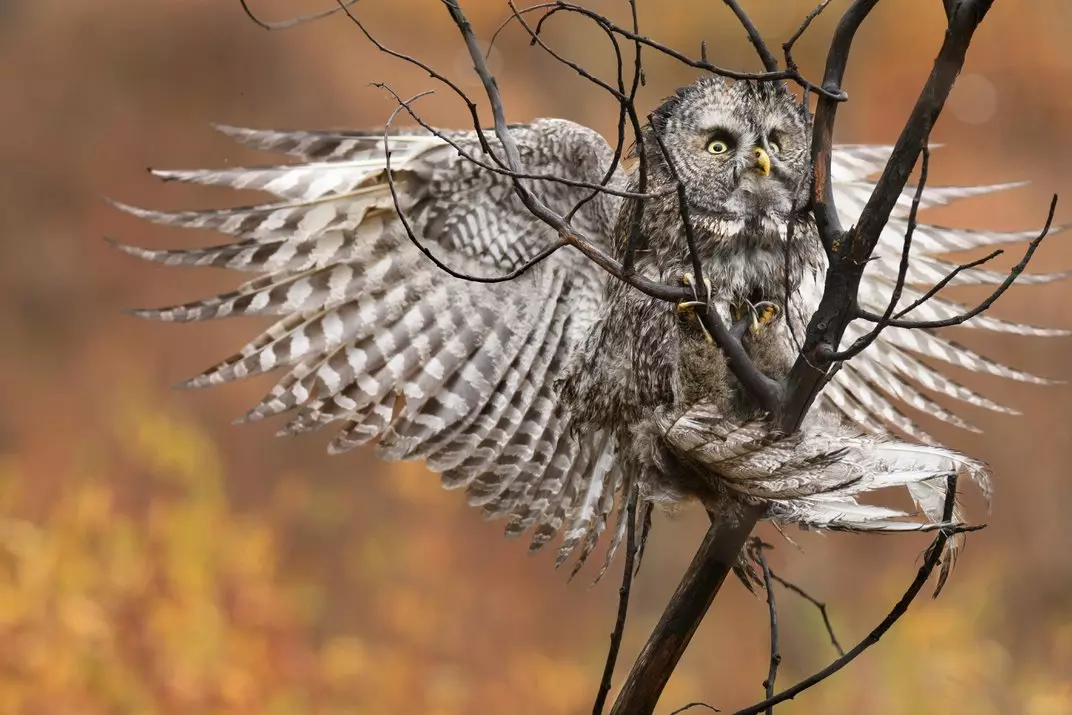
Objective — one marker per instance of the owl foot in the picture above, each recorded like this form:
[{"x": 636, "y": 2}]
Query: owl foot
[
  {"x": 691, "y": 305},
  {"x": 762, "y": 314}
]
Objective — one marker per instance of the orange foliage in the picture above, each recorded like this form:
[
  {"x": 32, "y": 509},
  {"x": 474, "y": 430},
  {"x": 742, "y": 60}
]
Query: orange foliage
[{"x": 154, "y": 560}]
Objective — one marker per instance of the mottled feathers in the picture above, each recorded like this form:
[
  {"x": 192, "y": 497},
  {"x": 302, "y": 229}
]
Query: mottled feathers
[{"x": 478, "y": 379}]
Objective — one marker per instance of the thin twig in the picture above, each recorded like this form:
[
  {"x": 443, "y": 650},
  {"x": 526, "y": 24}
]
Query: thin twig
[
  {"x": 551, "y": 178},
  {"x": 756, "y": 548},
  {"x": 636, "y": 237},
  {"x": 690, "y": 706},
  {"x": 765, "y": 55},
  {"x": 645, "y": 530},
  {"x": 701, "y": 64},
  {"x": 820, "y": 605},
  {"x": 624, "y": 101},
  {"x": 930, "y": 562},
  {"x": 623, "y": 604},
  {"x": 787, "y": 47},
  {"x": 293, "y": 22},
  {"x": 1014, "y": 273},
  {"x": 949, "y": 277},
  {"x": 400, "y": 211}
]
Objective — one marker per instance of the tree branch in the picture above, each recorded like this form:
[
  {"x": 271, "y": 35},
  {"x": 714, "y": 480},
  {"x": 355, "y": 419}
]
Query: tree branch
[
  {"x": 756, "y": 550},
  {"x": 765, "y": 55},
  {"x": 820, "y": 605},
  {"x": 861, "y": 343},
  {"x": 849, "y": 251},
  {"x": 628, "y": 573},
  {"x": 701, "y": 64},
  {"x": 1014, "y": 273},
  {"x": 294, "y": 21},
  {"x": 714, "y": 559},
  {"x": 930, "y": 562}
]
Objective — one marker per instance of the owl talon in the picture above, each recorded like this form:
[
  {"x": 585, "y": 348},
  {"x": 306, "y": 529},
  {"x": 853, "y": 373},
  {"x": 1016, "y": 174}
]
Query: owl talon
[
  {"x": 691, "y": 305},
  {"x": 686, "y": 278},
  {"x": 762, "y": 314},
  {"x": 765, "y": 313}
]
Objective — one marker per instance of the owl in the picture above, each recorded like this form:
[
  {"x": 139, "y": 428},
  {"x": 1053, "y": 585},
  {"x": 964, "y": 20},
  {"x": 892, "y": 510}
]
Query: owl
[{"x": 549, "y": 396}]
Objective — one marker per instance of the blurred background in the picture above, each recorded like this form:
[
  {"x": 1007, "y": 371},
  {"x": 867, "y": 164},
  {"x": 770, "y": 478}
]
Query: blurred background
[{"x": 156, "y": 559}]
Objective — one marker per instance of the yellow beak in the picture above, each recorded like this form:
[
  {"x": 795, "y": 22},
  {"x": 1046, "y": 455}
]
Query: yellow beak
[{"x": 762, "y": 160}]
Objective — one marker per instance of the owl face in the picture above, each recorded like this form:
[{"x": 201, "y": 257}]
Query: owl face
[{"x": 741, "y": 149}]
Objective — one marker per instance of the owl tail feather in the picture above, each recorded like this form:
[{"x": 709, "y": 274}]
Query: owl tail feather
[{"x": 815, "y": 476}]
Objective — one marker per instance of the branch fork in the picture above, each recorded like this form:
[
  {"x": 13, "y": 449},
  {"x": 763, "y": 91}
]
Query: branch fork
[{"x": 848, "y": 252}]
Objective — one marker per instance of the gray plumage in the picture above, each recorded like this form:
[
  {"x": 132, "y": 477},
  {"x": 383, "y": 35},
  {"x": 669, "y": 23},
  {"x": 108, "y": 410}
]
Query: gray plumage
[{"x": 546, "y": 397}]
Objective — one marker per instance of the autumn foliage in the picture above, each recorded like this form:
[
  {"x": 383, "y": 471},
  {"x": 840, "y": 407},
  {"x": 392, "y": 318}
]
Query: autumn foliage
[{"x": 154, "y": 559}]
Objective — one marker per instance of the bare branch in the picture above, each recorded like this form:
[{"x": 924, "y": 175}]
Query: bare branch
[
  {"x": 787, "y": 47},
  {"x": 628, "y": 574},
  {"x": 930, "y": 562},
  {"x": 949, "y": 277},
  {"x": 701, "y": 64},
  {"x": 756, "y": 547},
  {"x": 1014, "y": 273},
  {"x": 765, "y": 55},
  {"x": 713, "y": 561},
  {"x": 552, "y": 178},
  {"x": 635, "y": 237},
  {"x": 645, "y": 530},
  {"x": 849, "y": 251},
  {"x": 690, "y": 706},
  {"x": 399, "y": 209},
  {"x": 294, "y": 21},
  {"x": 861, "y": 343},
  {"x": 625, "y": 101},
  {"x": 818, "y": 604},
  {"x": 470, "y": 104}
]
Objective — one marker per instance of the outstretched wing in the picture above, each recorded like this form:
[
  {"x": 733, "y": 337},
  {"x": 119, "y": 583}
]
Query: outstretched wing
[
  {"x": 373, "y": 336},
  {"x": 867, "y": 386}
]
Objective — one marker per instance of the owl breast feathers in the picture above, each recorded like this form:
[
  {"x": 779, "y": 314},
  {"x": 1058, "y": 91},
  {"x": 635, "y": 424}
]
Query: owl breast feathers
[{"x": 547, "y": 396}]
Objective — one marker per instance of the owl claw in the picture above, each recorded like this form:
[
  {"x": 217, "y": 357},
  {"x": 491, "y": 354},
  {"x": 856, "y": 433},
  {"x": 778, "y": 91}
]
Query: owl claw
[
  {"x": 691, "y": 305},
  {"x": 762, "y": 313}
]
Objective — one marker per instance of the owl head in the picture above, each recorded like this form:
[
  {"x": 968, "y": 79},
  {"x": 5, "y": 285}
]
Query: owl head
[{"x": 741, "y": 150}]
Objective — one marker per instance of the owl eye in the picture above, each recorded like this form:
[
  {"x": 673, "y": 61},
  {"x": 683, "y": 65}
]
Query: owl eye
[
  {"x": 773, "y": 143},
  {"x": 718, "y": 147}
]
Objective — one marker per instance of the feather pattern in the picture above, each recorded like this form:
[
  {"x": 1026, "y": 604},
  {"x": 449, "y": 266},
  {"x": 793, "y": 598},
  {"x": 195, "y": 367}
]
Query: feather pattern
[
  {"x": 371, "y": 336},
  {"x": 365, "y": 319},
  {"x": 886, "y": 370}
]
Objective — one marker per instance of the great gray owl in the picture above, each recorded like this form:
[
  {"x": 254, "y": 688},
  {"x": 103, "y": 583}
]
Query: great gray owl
[{"x": 547, "y": 396}]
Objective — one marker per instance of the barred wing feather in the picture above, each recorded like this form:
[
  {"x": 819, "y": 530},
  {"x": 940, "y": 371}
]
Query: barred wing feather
[
  {"x": 373, "y": 337},
  {"x": 865, "y": 389}
]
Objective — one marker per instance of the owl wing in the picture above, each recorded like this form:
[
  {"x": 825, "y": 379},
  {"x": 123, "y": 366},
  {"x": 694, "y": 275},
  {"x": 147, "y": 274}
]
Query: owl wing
[
  {"x": 373, "y": 337},
  {"x": 866, "y": 387}
]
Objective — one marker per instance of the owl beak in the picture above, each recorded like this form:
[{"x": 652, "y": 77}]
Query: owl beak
[{"x": 762, "y": 160}]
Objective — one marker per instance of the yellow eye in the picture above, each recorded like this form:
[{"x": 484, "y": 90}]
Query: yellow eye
[{"x": 717, "y": 147}]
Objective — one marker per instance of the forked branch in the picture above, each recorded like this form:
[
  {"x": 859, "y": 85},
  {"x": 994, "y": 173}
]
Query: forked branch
[{"x": 848, "y": 251}]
